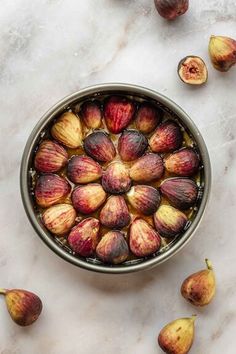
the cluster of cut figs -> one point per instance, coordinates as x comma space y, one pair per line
192, 69
99, 176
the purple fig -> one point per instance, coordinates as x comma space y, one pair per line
99, 146
132, 144
113, 248
148, 168
83, 169
118, 113
181, 192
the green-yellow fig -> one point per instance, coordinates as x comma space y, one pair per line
199, 288
222, 52
23, 306
177, 336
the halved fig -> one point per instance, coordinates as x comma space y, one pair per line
192, 70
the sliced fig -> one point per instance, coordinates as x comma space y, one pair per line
192, 70
166, 138
118, 113
181, 192
147, 117
99, 146
131, 145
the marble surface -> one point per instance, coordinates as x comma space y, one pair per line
51, 48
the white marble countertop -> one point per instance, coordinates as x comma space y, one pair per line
51, 48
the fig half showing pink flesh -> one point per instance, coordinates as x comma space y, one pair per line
192, 70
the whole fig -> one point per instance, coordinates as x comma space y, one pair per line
143, 239
99, 146
171, 9
23, 306
177, 336
84, 237
199, 288
113, 248
115, 213
118, 113
50, 157
222, 52
181, 192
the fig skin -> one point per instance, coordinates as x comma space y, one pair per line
115, 213
177, 336
118, 113
145, 199
99, 146
132, 145
148, 168
50, 157
181, 192
222, 52
83, 169
184, 162
91, 114
113, 248
147, 118
84, 237
192, 70
171, 9
23, 306
88, 198
169, 221
68, 130
199, 288
166, 138
115, 179
59, 219
143, 239
51, 189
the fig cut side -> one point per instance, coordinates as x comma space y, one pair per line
192, 70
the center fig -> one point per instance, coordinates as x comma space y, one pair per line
115, 179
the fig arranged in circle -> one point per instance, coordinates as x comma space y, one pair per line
169, 221
147, 118
115, 213
132, 144
83, 169
51, 189
91, 114
184, 162
145, 199
181, 192
87, 199
68, 130
148, 168
84, 237
113, 248
143, 239
50, 157
99, 146
166, 138
118, 113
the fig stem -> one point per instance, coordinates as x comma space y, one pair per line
3, 291
193, 318
209, 264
